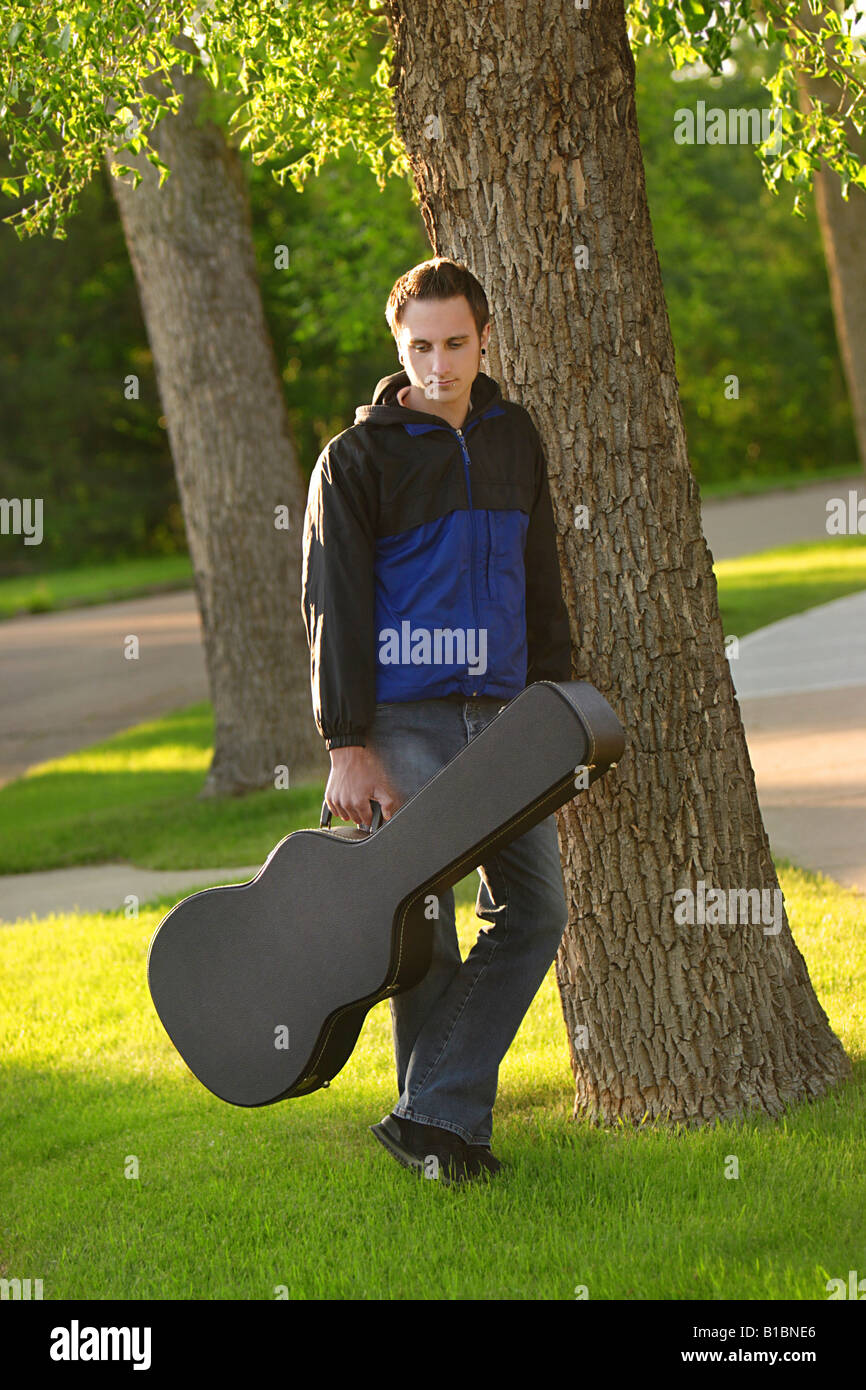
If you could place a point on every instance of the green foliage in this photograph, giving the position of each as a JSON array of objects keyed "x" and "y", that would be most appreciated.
[
  {"x": 690, "y": 32},
  {"x": 752, "y": 302},
  {"x": 71, "y": 77},
  {"x": 72, "y": 434},
  {"x": 745, "y": 286},
  {"x": 101, "y": 461},
  {"x": 347, "y": 242}
]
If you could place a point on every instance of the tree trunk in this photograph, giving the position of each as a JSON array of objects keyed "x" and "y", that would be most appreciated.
[
  {"x": 843, "y": 232},
  {"x": 191, "y": 248},
  {"x": 535, "y": 155}
]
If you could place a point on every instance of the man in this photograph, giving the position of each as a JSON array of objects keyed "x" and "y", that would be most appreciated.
[{"x": 432, "y": 514}]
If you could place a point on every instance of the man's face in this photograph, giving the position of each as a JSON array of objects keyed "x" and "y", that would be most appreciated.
[{"x": 440, "y": 347}]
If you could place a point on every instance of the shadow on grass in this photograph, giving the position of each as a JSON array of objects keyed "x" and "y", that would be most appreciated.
[{"x": 145, "y": 1186}]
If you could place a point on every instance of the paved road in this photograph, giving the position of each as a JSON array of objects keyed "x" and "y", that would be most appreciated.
[
  {"x": 745, "y": 525},
  {"x": 66, "y": 683}
]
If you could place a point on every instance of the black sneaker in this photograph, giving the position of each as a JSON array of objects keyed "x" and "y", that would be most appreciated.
[
  {"x": 482, "y": 1154},
  {"x": 429, "y": 1149}
]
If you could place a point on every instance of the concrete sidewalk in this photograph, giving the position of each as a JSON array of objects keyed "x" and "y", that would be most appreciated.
[
  {"x": 103, "y": 888},
  {"x": 801, "y": 684},
  {"x": 821, "y": 649}
]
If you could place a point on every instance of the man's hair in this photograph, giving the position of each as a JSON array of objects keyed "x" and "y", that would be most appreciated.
[{"x": 440, "y": 278}]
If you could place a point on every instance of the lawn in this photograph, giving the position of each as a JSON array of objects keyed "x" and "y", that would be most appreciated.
[
  {"x": 133, "y": 796},
  {"x": 234, "y": 1203},
  {"x": 756, "y": 590},
  {"x": 103, "y": 583}
]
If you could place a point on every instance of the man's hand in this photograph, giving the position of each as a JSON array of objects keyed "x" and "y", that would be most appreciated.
[{"x": 356, "y": 778}]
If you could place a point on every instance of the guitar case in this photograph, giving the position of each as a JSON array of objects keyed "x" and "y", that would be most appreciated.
[{"x": 263, "y": 987}]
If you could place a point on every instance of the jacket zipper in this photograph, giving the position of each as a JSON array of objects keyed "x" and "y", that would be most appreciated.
[{"x": 466, "y": 463}]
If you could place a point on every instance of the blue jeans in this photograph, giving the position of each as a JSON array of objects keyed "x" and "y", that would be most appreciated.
[{"x": 452, "y": 1030}]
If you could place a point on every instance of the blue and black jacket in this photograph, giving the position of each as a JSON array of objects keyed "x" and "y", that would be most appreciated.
[{"x": 430, "y": 566}]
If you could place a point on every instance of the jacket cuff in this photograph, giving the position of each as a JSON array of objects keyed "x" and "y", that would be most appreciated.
[{"x": 345, "y": 741}]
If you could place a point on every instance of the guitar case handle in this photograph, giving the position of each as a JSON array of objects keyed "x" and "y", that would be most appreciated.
[{"x": 325, "y": 818}]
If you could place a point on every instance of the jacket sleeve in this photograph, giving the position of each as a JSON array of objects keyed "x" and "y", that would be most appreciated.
[
  {"x": 337, "y": 597},
  {"x": 548, "y": 637}
]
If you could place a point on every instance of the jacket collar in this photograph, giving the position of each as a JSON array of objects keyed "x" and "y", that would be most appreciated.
[{"x": 484, "y": 397}]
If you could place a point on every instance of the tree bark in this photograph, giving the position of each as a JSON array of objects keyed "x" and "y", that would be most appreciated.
[
  {"x": 843, "y": 233},
  {"x": 536, "y": 153},
  {"x": 190, "y": 244}
]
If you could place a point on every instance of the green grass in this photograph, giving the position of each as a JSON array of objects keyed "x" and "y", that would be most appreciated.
[
  {"x": 753, "y": 484},
  {"x": 231, "y": 1203},
  {"x": 755, "y": 590},
  {"x": 105, "y": 583},
  {"x": 134, "y": 795}
]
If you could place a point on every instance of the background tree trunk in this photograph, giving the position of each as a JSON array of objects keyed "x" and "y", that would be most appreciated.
[
  {"x": 843, "y": 233},
  {"x": 191, "y": 248},
  {"x": 535, "y": 154}
]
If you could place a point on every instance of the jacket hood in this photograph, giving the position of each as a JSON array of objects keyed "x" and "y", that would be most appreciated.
[{"x": 386, "y": 411}]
